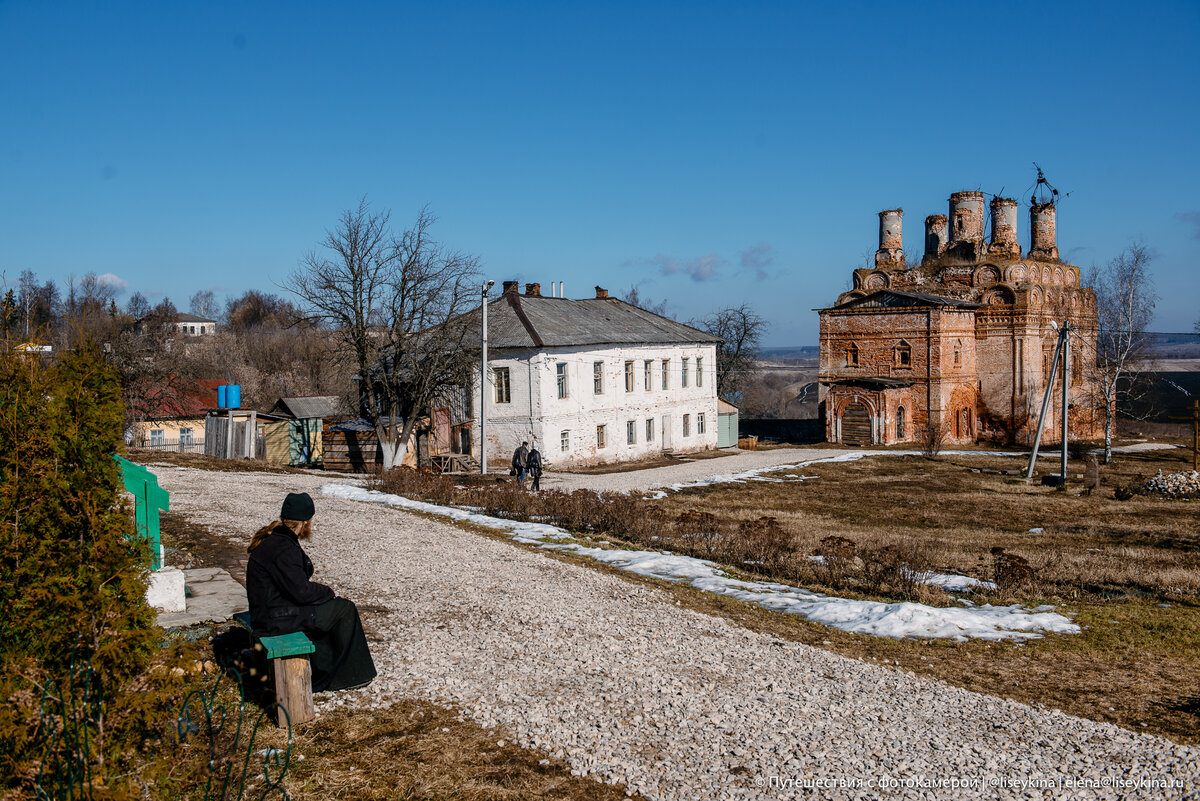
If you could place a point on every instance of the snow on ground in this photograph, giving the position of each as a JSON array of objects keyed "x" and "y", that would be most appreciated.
[{"x": 897, "y": 620}]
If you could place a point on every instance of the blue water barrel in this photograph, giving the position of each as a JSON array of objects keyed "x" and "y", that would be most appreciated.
[
  {"x": 233, "y": 396},
  {"x": 221, "y": 397}
]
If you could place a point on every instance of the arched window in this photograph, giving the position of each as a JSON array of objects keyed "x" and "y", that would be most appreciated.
[
  {"x": 852, "y": 355},
  {"x": 957, "y": 352},
  {"x": 899, "y": 422},
  {"x": 903, "y": 354}
]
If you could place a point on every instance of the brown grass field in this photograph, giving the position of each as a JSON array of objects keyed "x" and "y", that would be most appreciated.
[{"x": 1127, "y": 571}]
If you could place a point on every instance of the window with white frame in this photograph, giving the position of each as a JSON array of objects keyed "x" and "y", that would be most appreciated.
[
  {"x": 156, "y": 437},
  {"x": 629, "y": 376},
  {"x": 631, "y": 432},
  {"x": 649, "y": 429},
  {"x": 597, "y": 378},
  {"x": 186, "y": 436},
  {"x": 503, "y": 391},
  {"x": 564, "y": 441},
  {"x": 700, "y": 423},
  {"x": 684, "y": 381},
  {"x": 699, "y": 371},
  {"x": 687, "y": 425},
  {"x": 601, "y": 436},
  {"x": 666, "y": 370},
  {"x": 562, "y": 379},
  {"x": 648, "y": 368}
]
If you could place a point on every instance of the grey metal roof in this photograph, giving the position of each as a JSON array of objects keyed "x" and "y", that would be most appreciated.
[
  {"x": 311, "y": 406},
  {"x": 184, "y": 317},
  {"x": 898, "y": 298},
  {"x": 521, "y": 321}
]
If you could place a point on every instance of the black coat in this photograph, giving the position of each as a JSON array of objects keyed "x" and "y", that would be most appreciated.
[
  {"x": 278, "y": 585},
  {"x": 534, "y": 463}
]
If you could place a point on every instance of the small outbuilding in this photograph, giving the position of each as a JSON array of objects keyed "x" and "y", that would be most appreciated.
[
  {"x": 727, "y": 424},
  {"x": 298, "y": 439}
]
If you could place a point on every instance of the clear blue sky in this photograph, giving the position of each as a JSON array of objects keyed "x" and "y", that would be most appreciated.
[{"x": 710, "y": 153}]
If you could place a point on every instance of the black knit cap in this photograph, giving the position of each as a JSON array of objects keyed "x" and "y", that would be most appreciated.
[{"x": 297, "y": 506}]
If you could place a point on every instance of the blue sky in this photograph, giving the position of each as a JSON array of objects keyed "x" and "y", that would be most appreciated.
[{"x": 711, "y": 153}]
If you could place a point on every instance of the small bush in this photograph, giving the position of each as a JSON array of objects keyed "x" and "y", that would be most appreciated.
[
  {"x": 836, "y": 557},
  {"x": 1010, "y": 571}
]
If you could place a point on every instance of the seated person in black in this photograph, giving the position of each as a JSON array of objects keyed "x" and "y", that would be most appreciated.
[{"x": 284, "y": 599}]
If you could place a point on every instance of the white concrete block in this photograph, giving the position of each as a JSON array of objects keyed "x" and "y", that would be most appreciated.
[{"x": 166, "y": 591}]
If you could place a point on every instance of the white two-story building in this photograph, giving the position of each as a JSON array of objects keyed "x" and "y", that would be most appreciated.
[{"x": 593, "y": 380}]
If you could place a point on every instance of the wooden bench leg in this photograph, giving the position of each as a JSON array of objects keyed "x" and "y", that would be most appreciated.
[{"x": 293, "y": 688}]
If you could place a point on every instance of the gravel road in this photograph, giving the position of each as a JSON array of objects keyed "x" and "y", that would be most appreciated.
[
  {"x": 679, "y": 705},
  {"x": 695, "y": 470}
]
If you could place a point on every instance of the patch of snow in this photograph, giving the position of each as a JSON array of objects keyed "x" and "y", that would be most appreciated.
[
  {"x": 895, "y": 620},
  {"x": 950, "y": 582},
  {"x": 1035, "y": 531}
]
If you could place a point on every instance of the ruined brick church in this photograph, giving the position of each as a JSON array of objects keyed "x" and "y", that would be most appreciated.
[{"x": 962, "y": 342}]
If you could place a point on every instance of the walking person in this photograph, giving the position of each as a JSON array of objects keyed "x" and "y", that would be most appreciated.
[
  {"x": 520, "y": 462},
  {"x": 284, "y": 599},
  {"x": 533, "y": 464}
]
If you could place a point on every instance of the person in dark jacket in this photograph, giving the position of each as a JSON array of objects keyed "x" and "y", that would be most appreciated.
[
  {"x": 284, "y": 598},
  {"x": 533, "y": 464},
  {"x": 520, "y": 462}
]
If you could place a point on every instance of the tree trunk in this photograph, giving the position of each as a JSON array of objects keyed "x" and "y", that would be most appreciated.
[{"x": 1108, "y": 428}]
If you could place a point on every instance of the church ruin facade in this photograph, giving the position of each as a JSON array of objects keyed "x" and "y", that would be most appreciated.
[{"x": 959, "y": 346}]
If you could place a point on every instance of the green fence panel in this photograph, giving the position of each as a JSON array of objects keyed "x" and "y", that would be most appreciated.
[{"x": 149, "y": 498}]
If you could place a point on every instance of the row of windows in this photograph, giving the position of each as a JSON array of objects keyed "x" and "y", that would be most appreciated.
[
  {"x": 502, "y": 384},
  {"x": 185, "y": 436},
  {"x": 901, "y": 354},
  {"x": 631, "y": 432}
]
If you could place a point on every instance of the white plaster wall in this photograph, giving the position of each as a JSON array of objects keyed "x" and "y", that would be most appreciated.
[{"x": 537, "y": 413}]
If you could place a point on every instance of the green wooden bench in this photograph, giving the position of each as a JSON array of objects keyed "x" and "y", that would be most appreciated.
[
  {"x": 290, "y": 671},
  {"x": 149, "y": 498}
]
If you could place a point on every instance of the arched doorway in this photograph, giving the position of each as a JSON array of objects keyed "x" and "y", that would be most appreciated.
[{"x": 856, "y": 425}]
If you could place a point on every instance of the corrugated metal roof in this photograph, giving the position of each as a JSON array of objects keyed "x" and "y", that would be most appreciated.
[
  {"x": 521, "y": 321},
  {"x": 311, "y": 406}
]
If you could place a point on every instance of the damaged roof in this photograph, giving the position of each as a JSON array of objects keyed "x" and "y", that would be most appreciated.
[
  {"x": 310, "y": 406},
  {"x": 524, "y": 321},
  {"x": 895, "y": 298}
]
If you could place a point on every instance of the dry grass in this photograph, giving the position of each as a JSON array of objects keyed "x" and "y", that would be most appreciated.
[
  {"x": 661, "y": 460},
  {"x": 201, "y": 462},
  {"x": 417, "y": 750}
]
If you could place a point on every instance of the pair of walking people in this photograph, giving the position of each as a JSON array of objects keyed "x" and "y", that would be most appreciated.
[{"x": 527, "y": 461}]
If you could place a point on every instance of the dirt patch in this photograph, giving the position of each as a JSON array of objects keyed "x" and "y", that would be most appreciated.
[{"x": 644, "y": 464}]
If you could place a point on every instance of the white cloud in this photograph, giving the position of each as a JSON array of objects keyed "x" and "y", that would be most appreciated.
[{"x": 116, "y": 282}]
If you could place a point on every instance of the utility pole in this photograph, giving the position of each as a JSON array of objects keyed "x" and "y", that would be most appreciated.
[
  {"x": 1066, "y": 361},
  {"x": 1195, "y": 421},
  {"x": 487, "y": 285},
  {"x": 1037, "y": 439}
]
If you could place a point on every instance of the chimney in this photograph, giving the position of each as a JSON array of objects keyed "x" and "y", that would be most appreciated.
[
  {"x": 533, "y": 290},
  {"x": 1004, "y": 227},
  {"x": 966, "y": 217},
  {"x": 510, "y": 287},
  {"x": 891, "y": 247},
  {"x": 601, "y": 292},
  {"x": 560, "y": 289},
  {"x": 936, "y": 235},
  {"x": 1041, "y": 232}
]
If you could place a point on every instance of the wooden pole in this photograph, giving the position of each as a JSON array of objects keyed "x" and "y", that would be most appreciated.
[{"x": 1195, "y": 421}]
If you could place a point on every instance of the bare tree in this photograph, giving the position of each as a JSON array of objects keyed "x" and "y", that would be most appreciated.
[
  {"x": 137, "y": 306},
  {"x": 634, "y": 298},
  {"x": 740, "y": 330},
  {"x": 1125, "y": 302},
  {"x": 204, "y": 304},
  {"x": 394, "y": 304}
]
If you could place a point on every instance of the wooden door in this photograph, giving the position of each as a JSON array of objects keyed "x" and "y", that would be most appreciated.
[{"x": 856, "y": 425}]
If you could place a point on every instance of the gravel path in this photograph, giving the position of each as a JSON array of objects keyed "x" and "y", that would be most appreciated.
[
  {"x": 696, "y": 470},
  {"x": 677, "y": 704}
]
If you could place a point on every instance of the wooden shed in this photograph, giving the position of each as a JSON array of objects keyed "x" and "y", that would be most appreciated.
[
  {"x": 727, "y": 424},
  {"x": 351, "y": 448}
]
